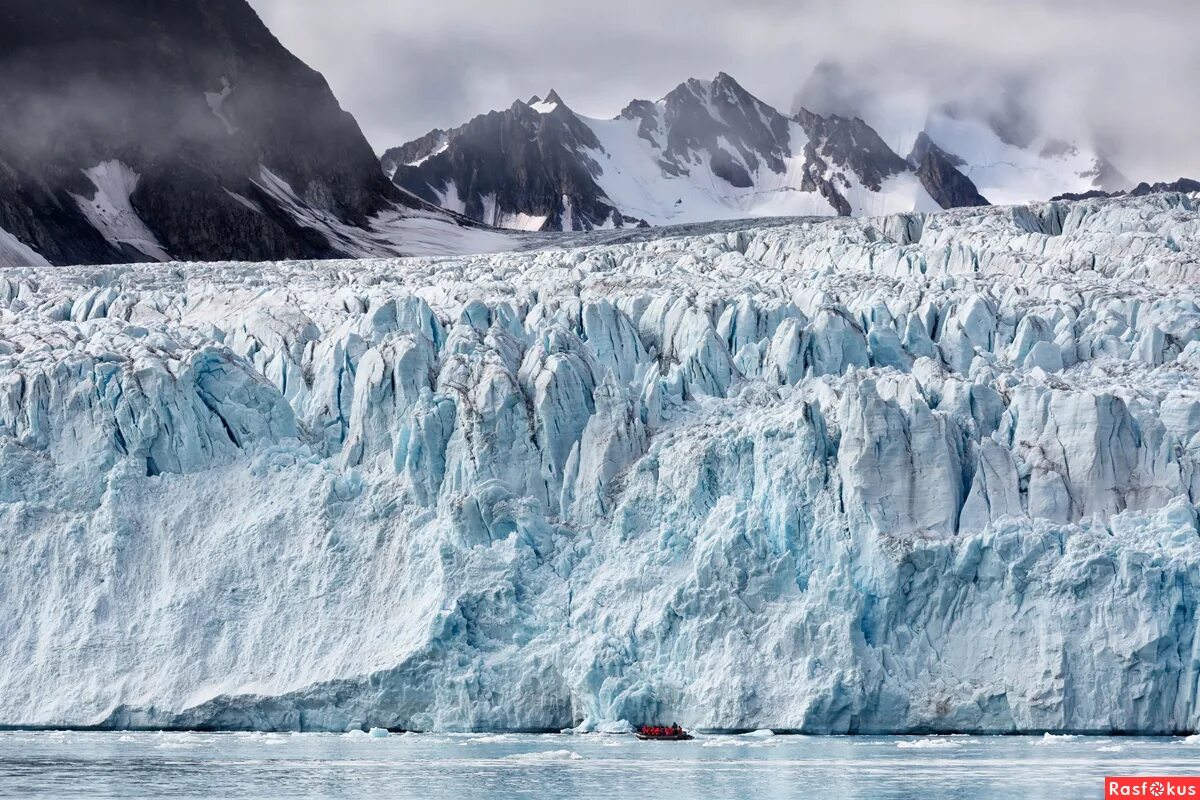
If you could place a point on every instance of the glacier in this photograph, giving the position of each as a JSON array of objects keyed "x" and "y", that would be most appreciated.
[{"x": 902, "y": 474}]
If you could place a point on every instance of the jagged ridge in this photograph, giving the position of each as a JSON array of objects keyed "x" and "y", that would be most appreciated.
[{"x": 708, "y": 150}]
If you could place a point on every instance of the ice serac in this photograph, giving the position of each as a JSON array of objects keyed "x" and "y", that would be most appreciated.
[{"x": 911, "y": 473}]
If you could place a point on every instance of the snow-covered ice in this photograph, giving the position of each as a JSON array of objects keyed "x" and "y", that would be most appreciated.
[{"x": 912, "y": 474}]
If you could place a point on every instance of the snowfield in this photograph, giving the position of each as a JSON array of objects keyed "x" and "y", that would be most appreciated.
[{"x": 904, "y": 474}]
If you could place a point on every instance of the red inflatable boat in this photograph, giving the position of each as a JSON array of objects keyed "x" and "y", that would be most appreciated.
[{"x": 663, "y": 733}]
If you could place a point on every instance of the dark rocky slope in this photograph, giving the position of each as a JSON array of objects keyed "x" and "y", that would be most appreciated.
[
  {"x": 1183, "y": 185},
  {"x": 194, "y": 98},
  {"x": 939, "y": 174},
  {"x": 528, "y": 162}
]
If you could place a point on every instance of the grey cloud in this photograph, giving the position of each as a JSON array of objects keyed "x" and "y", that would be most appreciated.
[{"x": 1123, "y": 73}]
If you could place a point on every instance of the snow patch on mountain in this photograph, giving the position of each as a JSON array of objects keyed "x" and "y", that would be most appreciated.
[
  {"x": 633, "y": 178},
  {"x": 438, "y": 149},
  {"x": 392, "y": 232},
  {"x": 493, "y": 215},
  {"x": 15, "y": 253},
  {"x": 110, "y": 210},
  {"x": 909, "y": 473},
  {"x": 216, "y": 103}
]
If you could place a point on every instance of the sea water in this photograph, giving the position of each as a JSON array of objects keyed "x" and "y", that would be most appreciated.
[{"x": 461, "y": 766}]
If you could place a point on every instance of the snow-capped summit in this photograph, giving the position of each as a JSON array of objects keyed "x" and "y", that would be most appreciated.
[
  {"x": 529, "y": 167},
  {"x": 708, "y": 150},
  {"x": 551, "y": 103},
  {"x": 718, "y": 119}
]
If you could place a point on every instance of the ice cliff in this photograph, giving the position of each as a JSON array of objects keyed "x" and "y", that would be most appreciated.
[{"x": 898, "y": 474}]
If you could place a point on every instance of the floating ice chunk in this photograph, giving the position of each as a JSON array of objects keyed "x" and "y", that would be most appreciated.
[
  {"x": 546, "y": 755},
  {"x": 939, "y": 742},
  {"x": 762, "y": 733},
  {"x": 1055, "y": 738}
]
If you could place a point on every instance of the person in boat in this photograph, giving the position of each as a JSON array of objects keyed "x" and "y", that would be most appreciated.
[{"x": 662, "y": 730}]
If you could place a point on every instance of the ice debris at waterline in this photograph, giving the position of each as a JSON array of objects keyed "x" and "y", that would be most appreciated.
[{"x": 904, "y": 474}]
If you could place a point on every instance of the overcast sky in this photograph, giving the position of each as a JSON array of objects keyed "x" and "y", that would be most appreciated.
[{"x": 1127, "y": 71}]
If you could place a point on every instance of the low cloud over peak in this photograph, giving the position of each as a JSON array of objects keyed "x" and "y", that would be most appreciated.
[{"x": 1121, "y": 75}]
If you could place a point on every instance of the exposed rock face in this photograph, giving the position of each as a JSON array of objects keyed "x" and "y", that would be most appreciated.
[
  {"x": 913, "y": 473},
  {"x": 938, "y": 171},
  {"x": 521, "y": 168},
  {"x": 140, "y": 131},
  {"x": 852, "y": 143},
  {"x": 1183, "y": 185},
  {"x": 708, "y": 150},
  {"x": 719, "y": 118}
]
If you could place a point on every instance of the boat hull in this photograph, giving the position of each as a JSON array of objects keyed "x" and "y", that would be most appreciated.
[{"x": 684, "y": 737}]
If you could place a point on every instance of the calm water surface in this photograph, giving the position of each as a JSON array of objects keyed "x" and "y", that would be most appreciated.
[{"x": 432, "y": 767}]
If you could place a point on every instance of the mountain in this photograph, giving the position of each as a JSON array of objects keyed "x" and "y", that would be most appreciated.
[
  {"x": 918, "y": 473},
  {"x": 142, "y": 130},
  {"x": 523, "y": 168},
  {"x": 940, "y": 173},
  {"x": 1017, "y": 164},
  {"x": 709, "y": 150},
  {"x": 992, "y": 137},
  {"x": 1182, "y": 186}
]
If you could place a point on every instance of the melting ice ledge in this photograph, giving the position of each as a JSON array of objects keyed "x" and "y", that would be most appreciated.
[{"x": 903, "y": 474}]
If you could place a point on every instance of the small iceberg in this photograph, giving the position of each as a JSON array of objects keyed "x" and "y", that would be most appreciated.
[
  {"x": 922, "y": 744},
  {"x": 764, "y": 733},
  {"x": 546, "y": 755},
  {"x": 1053, "y": 738}
]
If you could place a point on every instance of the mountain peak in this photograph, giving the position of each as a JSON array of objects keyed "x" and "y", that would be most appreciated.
[
  {"x": 691, "y": 88},
  {"x": 709, "y": 149},
  {"x": 723, "y": 88},
  {"x": 549, "y": 103},
  {"x": 726, "y": 80}
]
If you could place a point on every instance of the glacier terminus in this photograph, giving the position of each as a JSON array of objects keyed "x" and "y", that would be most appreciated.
[{"x": 913, "y": 473}]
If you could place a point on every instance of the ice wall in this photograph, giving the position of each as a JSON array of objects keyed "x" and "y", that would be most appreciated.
[{"x": 911, "y": 473}]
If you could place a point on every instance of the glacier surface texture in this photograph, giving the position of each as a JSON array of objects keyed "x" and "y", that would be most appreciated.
[{"x": 896, "y": 474}]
